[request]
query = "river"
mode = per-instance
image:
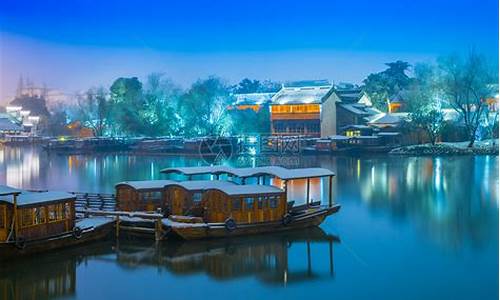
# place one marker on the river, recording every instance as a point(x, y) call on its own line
point(409, 228)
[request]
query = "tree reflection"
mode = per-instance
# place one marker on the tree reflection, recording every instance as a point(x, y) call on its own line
point(454, 199)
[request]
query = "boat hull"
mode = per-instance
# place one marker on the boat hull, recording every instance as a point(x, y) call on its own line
point(300, 221)
point(10, 251)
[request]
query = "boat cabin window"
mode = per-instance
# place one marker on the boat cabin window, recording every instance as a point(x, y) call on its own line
point(260, 202)
point(196, 197)
point(58, 212)
point(236, 204)
point(26, 217)
point(38, 215)
point(249, 203)
point(151, 196)
point(2, 216)
point(273, 202)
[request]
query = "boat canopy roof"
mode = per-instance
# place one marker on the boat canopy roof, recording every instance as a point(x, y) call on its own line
point(227, 187)
point(197, 185)
point(192, 185)
point(146, 184)
point(251, 189)
point(276, 171)
point(7, 190)
point(37, 198)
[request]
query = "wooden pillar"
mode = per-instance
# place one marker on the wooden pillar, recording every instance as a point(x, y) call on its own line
point(117, 227)
point(16, 225)
point(308, 192)
point(217, 176)
point(330, 193)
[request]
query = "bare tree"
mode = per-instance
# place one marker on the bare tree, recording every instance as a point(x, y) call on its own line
point(465, 85)
point(94, 110)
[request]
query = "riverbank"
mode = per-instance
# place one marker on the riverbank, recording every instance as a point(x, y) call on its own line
point(487, 147)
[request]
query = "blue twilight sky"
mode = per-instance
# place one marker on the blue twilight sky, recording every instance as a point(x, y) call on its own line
point(76, 44)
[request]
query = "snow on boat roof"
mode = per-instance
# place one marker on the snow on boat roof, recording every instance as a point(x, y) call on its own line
point(7, 190)
point(146, 184)
point(33, 198)
point(251, 189)
point(192, 185)
point(276, 171)
point(196, 185)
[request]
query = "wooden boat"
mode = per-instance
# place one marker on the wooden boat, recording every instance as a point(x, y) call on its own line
point(245, 210)
point(229, 209)
point(33, 222)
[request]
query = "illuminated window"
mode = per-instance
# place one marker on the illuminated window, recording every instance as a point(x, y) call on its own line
point(38, 215)
point(249, 203)
point(67, 210)
point(52, 213)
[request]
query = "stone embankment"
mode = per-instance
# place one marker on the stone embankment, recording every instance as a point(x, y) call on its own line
point(479, 148)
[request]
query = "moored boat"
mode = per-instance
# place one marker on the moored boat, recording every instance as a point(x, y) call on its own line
point(198, 209)
point(33, 222)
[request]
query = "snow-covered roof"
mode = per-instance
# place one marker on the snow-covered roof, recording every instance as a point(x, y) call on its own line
point(276, 171)
point(198, 185)
point(33, 198)
point(191, 185)
point(7, 190)
point(355, 126)
point(146, 184)
point(8, 125)
point(349, 95)
point(387, 118)
point(251, 189)
point(338, 137)
point(253, 98)
point(301, 95)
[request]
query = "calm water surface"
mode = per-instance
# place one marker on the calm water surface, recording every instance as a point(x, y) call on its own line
point(409, 228)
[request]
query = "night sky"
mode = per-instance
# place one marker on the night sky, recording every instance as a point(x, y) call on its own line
point(72, 45)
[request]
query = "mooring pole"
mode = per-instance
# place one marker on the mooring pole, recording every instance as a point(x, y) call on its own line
point(308, 192)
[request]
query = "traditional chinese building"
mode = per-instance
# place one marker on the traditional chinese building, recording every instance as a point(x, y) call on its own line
point(304, 109)
point(311, 108)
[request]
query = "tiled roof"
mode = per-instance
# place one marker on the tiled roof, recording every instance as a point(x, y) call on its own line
point(301, 95)
point(253, 98)
point(386, 118)
point(8, 125)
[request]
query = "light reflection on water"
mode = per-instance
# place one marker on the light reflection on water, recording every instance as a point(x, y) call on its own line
point(427, 218)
